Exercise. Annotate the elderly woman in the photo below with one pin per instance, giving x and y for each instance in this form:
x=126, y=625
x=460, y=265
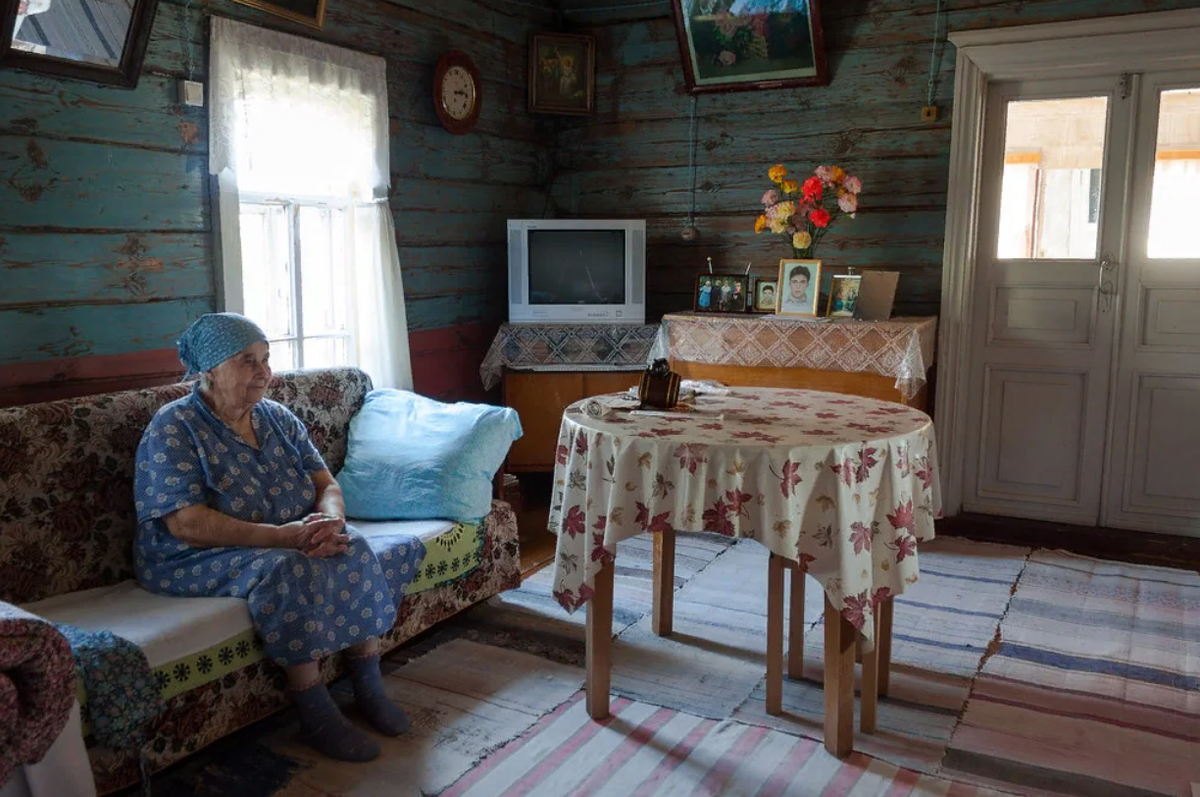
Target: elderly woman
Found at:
x=234, y=500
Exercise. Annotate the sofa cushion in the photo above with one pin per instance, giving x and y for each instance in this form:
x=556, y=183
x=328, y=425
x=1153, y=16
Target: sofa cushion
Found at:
x=66, y=476
x=413, y=457
x=190, y=642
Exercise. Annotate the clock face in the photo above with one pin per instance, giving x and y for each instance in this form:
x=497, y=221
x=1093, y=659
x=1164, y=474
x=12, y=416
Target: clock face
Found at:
x=458, y=93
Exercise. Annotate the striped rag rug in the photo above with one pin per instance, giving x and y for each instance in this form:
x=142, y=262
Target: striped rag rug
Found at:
x=643, y=750
x=942, y=628
x=1095, y=687
x=529, y=619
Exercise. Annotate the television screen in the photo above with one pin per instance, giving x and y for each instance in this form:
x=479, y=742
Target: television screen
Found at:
x=577, y=267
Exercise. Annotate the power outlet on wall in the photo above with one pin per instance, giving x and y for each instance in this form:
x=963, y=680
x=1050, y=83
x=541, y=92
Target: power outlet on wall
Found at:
x=191, y=93
x=929, y=113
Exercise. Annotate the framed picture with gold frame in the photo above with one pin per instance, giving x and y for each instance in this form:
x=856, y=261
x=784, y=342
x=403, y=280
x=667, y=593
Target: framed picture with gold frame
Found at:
x=562, y=73
x=799, y=287
x=306, y=12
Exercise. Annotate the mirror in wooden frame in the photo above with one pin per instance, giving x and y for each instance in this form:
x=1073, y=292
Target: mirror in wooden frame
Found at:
x=101, y=41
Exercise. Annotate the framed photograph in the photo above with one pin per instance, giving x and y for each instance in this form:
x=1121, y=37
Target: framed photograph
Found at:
x=799, y=285
x=721, y=293
x=306, y=12
x=764, y=294
x=562, y=73
x=735, y=45
x=843, y=295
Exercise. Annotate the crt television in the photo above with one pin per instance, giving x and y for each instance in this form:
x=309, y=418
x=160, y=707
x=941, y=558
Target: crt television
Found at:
x=580, y=271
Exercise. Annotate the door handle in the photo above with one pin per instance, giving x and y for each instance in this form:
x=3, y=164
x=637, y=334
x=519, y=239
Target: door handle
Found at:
x=1105, y=285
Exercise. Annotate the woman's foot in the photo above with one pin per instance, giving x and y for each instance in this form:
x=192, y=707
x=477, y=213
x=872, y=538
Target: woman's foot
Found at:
x=372, y=700
x=327, y=731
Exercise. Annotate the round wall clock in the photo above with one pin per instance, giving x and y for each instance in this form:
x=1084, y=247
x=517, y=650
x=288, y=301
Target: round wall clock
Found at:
x=457, y=92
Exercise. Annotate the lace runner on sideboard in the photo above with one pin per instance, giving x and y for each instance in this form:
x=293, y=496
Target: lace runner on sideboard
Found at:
x=558, y=346
x=901, y=347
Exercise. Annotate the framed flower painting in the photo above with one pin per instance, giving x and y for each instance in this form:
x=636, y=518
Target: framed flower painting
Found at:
x=735, y=45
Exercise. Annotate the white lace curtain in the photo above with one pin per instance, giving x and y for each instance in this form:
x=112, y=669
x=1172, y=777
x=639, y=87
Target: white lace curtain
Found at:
x=292, y=117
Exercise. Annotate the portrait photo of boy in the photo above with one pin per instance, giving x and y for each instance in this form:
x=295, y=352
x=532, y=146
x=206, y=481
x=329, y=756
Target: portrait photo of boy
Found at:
x=799, y=284
x=764, y=296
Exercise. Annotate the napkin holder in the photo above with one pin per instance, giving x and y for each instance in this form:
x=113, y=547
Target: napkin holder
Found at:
x=659, y=387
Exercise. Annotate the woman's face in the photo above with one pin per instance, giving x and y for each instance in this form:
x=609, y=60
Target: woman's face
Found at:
x=243, y=378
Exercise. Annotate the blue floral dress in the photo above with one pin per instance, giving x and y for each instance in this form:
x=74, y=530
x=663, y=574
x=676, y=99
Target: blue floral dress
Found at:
x=303, y=607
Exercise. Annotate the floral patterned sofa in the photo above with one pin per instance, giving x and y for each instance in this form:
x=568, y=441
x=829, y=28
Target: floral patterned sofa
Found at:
x=66, y=536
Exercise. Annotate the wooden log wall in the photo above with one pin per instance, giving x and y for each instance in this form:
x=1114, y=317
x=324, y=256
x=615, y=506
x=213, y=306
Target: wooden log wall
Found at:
x=631, y=158
x=106, y=218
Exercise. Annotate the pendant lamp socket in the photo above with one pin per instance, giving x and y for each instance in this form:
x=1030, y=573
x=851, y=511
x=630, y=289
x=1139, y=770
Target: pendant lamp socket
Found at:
x=689, y=233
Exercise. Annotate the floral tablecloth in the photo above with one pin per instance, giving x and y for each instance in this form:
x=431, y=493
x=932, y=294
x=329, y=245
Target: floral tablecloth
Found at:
x=842, y=485
x=567, y=347
x=901, y=348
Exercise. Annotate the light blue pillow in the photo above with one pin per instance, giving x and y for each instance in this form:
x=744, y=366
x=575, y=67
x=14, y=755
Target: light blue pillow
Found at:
x=413, y=458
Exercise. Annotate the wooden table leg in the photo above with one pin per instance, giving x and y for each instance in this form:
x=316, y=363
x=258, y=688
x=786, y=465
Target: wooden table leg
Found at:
x=869, y=699
x=839, y=682
x=599, y=644
x=664, y=582
x=775, y=635
x=884, y=640
x=795, y=653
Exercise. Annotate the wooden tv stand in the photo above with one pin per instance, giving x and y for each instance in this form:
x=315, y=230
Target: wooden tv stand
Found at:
x=539, y=397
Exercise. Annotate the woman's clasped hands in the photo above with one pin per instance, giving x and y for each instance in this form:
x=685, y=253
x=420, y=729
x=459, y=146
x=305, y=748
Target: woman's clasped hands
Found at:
x=319, y=534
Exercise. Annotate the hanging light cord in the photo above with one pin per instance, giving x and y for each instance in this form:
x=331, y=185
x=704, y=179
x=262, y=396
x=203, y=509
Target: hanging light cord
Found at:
x=933, y=56
x=692, y=161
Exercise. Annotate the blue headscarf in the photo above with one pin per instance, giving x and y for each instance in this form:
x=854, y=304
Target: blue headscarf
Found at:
x=214, y=338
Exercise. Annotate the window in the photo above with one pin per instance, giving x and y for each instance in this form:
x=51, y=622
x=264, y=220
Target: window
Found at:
x=295, y=278
x=300, y=149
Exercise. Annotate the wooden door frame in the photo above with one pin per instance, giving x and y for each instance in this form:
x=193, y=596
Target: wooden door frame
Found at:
x=1157, y=41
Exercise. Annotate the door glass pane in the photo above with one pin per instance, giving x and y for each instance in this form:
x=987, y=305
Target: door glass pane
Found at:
x=1050, y=192
x=1176, y=195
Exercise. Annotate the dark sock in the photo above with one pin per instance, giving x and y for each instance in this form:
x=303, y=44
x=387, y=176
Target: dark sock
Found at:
x=327, y=731
x=372, y=700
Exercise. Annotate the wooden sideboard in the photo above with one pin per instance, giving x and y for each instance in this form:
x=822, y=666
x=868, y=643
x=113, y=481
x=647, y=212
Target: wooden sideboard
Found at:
x=854, y=383
x=886, y=360
x=539, y=397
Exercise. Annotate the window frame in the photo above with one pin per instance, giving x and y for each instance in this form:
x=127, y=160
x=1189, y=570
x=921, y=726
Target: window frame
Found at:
x=291, y=204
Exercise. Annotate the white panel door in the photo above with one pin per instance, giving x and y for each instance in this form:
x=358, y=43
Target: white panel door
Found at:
x=1051, y=227
x=1154, y=480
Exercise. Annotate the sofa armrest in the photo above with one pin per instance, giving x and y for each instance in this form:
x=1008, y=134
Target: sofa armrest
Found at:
x=498, y=483
x=37, y=684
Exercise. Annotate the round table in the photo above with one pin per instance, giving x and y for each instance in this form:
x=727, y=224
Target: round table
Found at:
x=838, y=487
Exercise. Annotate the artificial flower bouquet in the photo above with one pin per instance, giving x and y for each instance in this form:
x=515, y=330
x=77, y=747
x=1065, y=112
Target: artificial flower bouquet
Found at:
x=803, y=212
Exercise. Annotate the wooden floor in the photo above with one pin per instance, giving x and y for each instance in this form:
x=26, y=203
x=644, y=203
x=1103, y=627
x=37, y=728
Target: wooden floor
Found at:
x=533, y=509
x=1138, y=547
